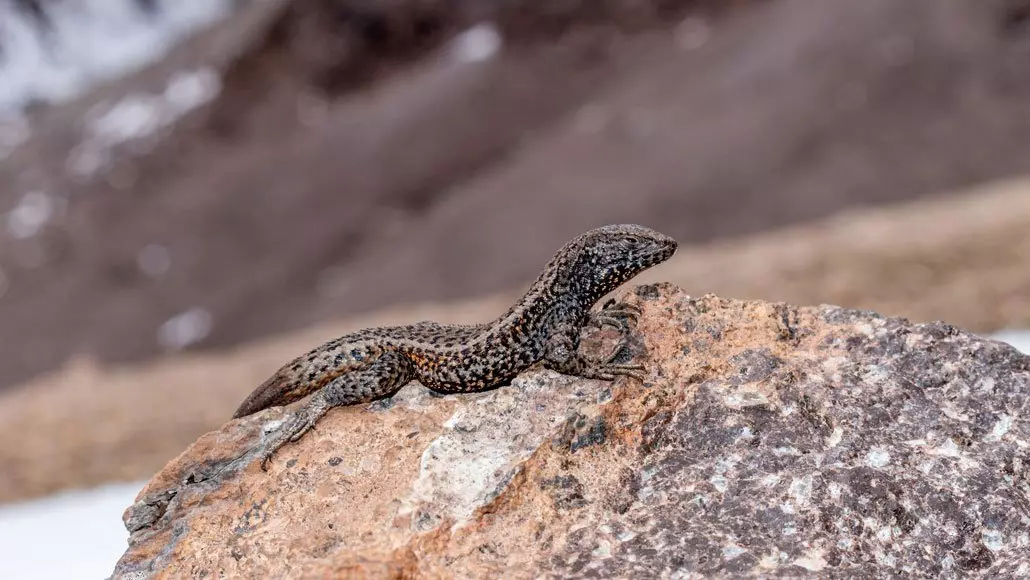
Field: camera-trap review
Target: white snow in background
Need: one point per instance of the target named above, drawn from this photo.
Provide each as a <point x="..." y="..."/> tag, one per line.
<point x="184" y="329"/>
<point x="80" y="534"/>
<point x="477" y="44"/>
<point x="76" y="534"/>
<point x="30" y="215"/>
<point x="1017" y="338"/>
<point x="90" y="42"/>
<point x="140" y="115"/>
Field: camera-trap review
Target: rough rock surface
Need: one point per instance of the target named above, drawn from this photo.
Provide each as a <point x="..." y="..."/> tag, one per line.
<point x="766" y="439"/>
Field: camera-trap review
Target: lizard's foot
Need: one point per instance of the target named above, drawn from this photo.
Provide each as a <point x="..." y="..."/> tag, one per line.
<point x="296" y="427"/>
<point x="609" y="372"/>
<point x="621" y="316"/>
<point x="562" y="352"/>
<point x="617" y="315"/>
<point x="578" y="365"/>
<point x="380" y="379"/>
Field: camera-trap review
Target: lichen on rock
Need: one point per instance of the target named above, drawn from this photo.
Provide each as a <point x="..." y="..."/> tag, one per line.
<point x="766" y="439"/>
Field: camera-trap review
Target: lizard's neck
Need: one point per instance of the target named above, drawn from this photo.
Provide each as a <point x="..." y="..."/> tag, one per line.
<point x="559" y="293"/>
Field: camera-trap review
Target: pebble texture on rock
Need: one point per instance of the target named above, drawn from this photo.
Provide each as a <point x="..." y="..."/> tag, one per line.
<point x="766" y="440"/>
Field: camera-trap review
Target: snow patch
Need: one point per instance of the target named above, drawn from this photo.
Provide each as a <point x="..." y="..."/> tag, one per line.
<point x="479" y="43"/>
<point x="30" y="215"/>
<point x="86" y="525"/>
<point x="140" y="115"/>
<point x="88" y="43"/>
<point x="1017" y="338"/>
<point x="185" y="329"/>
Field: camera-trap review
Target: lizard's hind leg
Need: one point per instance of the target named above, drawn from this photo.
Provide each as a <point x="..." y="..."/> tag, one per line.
<point x="379" y="380"/>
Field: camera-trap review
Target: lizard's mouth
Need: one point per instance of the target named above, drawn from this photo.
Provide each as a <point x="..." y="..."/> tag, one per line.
<point x="661" y="253"/>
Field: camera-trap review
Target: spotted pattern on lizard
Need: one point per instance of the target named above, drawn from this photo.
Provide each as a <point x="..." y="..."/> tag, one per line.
<point x="543" y="327"/>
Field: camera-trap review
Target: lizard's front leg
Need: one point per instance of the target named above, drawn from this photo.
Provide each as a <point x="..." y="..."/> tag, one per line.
<point x="562" y="355"/>
<point x="381" y="379"/>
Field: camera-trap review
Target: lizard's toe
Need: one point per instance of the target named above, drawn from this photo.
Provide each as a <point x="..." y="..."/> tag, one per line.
<point x="617" y="315"/>
<point x="602" y="319"/>
<point x="635" y="371"/>
<point x="291" y="432"/>
<point x="300" y="431"/>
<point x="266" y="458"/>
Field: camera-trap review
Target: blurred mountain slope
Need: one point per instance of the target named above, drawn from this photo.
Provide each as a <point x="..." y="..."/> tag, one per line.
<point x="311" y="159"/>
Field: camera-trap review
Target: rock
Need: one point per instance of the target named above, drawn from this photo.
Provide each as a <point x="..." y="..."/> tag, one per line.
<point x="767" y="439"/>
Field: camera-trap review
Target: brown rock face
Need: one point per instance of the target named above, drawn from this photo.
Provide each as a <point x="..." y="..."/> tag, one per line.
<point x="766" y="439"/>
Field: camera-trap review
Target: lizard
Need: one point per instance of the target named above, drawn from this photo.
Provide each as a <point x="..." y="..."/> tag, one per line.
<point x="542" y="328"/>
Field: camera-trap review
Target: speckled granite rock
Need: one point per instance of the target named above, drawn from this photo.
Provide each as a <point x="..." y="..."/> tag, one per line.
<point x="767" y="440"/>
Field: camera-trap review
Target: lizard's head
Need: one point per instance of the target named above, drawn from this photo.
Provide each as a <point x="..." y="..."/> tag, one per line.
<point x="609" y="256"/>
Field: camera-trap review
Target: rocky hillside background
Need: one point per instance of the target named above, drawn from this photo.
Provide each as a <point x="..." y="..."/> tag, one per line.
<point x="307" y="160"/>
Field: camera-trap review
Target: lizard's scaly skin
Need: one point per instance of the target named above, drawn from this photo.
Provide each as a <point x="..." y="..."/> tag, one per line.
<point x="542" y="327"/>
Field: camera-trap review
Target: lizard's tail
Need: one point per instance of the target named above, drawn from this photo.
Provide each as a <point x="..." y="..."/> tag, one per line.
<point x="276" y="391"/>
